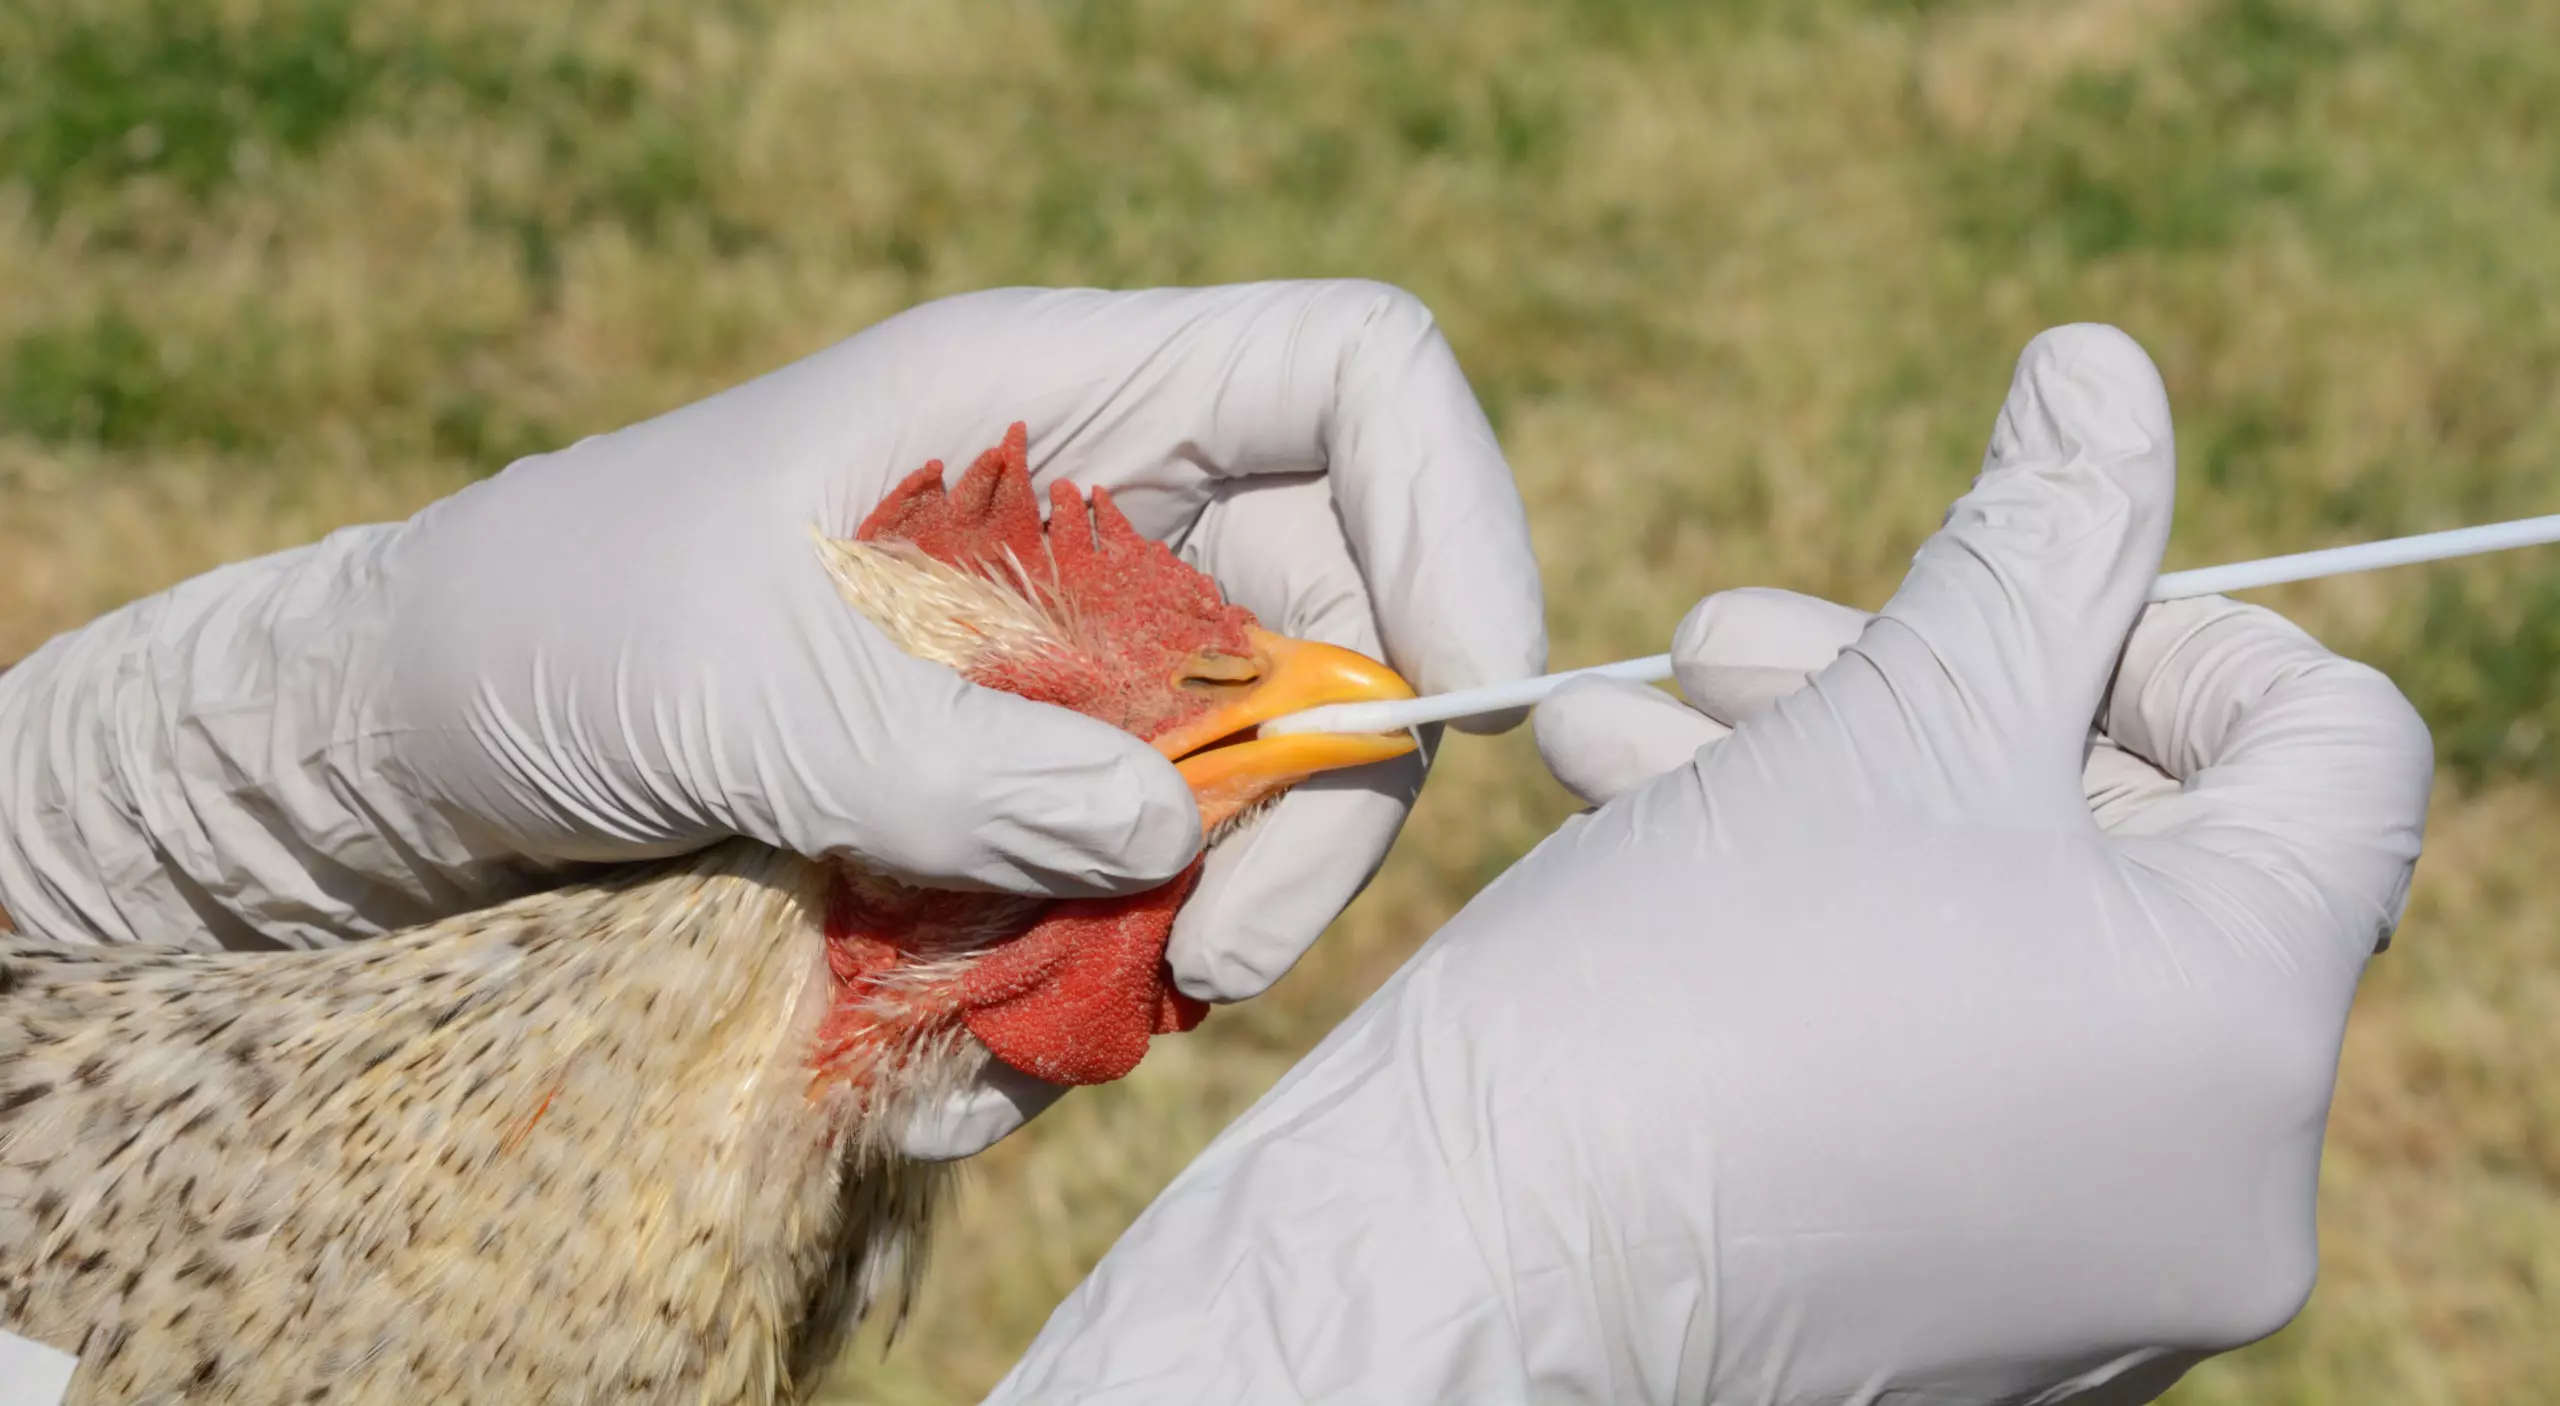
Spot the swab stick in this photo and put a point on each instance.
(2176, 585)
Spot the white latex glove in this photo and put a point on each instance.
(628, 648)
(1738, 652)
(1851, 1058)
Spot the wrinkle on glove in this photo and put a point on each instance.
(127, 810)
(1881, 1037)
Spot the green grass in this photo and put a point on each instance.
(168, 90)
(1739, 284)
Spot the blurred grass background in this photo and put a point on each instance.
(1740, 285)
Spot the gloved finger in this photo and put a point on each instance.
(1602, 738)
(2121, 786)
(1738, 652)
(2288, 756)
(992, 1108)
(710, 681)
(1996, 650)
(1271, 886)
(1166, 393)
(990, 790)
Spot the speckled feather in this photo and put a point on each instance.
(630, 1141)
(565, 1150)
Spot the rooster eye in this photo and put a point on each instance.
(1205, 670)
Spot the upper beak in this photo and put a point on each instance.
(1291, 675)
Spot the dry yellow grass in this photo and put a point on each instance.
(1740, 285)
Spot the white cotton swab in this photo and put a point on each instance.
(2176, 585)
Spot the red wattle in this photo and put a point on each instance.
(1074, 999)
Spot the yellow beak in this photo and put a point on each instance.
(1230, 768)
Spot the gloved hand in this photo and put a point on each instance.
(628, 649)
(1852, 1057)
(1738, 652)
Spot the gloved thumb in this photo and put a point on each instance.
(1735, 654)
(1738, 652)
(1602, 738)
(1995, 653)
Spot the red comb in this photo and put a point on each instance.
(990, 512)
(1088, 554)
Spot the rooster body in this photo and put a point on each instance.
(634, 1140)
(240, 1178)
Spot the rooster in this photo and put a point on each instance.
(632, 1140)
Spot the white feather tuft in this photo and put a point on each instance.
(938, 612)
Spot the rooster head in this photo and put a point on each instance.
(1083, 612)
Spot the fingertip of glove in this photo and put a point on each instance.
(2099, 345)
(977, 1117)
(1765, 627)
(1138, 817)
(1215, 974)
(1601, 738)
(1045, 801)
(1268, 892)
(2083, 389)
(1738, 652)
(1222, 952)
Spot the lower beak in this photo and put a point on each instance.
(1230, 768)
